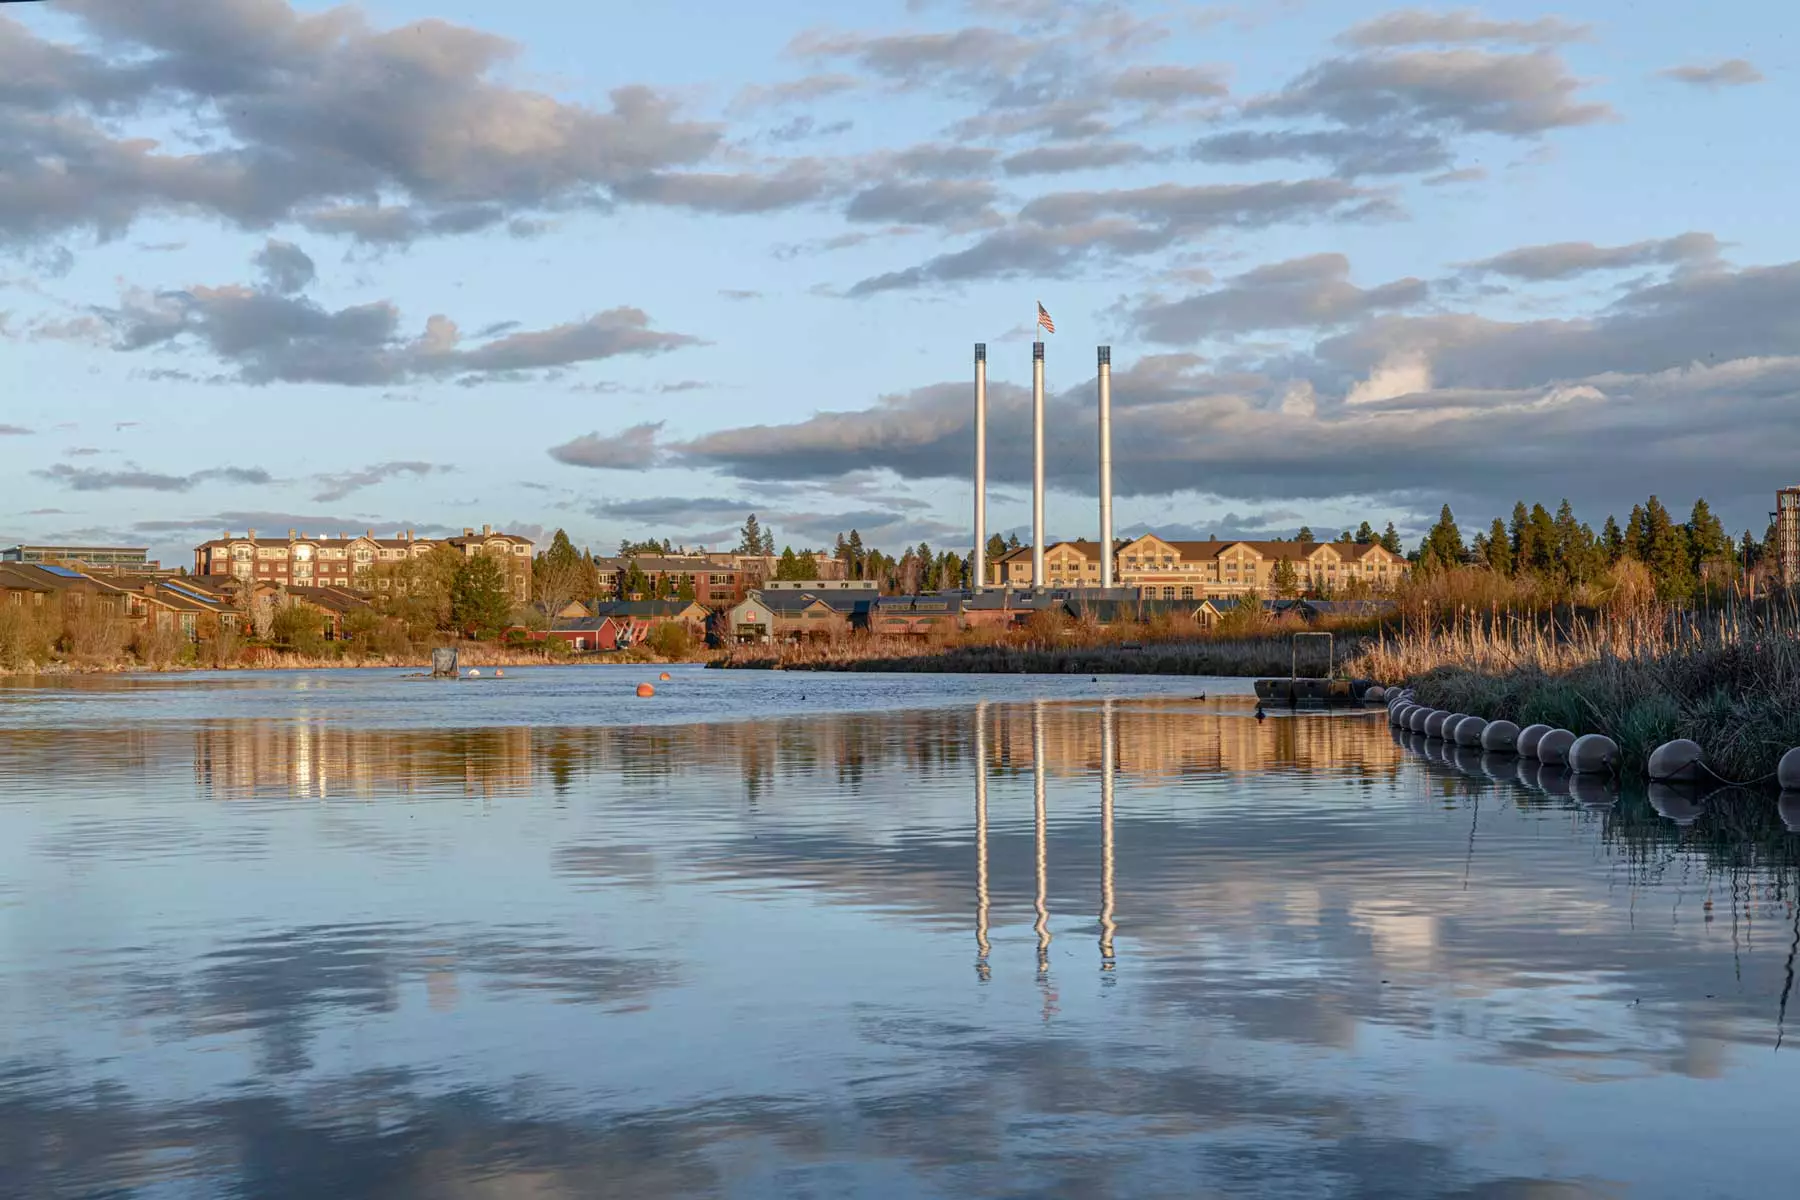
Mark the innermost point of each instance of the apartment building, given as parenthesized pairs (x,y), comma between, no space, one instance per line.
(1787,536)
(115,558)
(1164,569)
(346,561)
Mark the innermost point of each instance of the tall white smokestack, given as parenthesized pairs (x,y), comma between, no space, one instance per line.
(979,561)
(1106,534)
(1037,472)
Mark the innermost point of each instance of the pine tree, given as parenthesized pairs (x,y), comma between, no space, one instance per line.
(1612,541)
(1571,547)
(1637,536)
(1499,549)
(684,590)
(858,559)
(1346,538)
(479,603)
(768,546)
(1443,546)
(1520,532)
(1365,534)
(750,541)
(1707,540)
(1540,538)
(1012,541)
(1669,558)
(788,565)
(1390,540)
(1305,535)
(1285,580)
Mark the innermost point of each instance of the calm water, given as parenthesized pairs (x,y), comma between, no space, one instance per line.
(346,934)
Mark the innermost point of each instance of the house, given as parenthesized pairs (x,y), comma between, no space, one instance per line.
(333,605)
(913,616)
(1162,569)
(634,619)
(1313,610)
(583,635)
(715,579)
(23,590)
(784,615)
(1004,608)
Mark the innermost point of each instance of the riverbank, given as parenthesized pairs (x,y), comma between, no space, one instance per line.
(1268,655)
(1729,683)
(470,654)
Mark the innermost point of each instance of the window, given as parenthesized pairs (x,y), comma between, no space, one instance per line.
(1187,593)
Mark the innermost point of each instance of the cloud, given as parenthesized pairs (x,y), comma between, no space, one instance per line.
(15,431)
(1465,91)
(1698,374)
(1567,260)
(1412,26)
(269,337)
(1733,72)
(1058,232)
(923,202)
(336,487)
(805,90)
(1168,85)
(1310,292)
(303,115)
(739,294)
(1350,152)
(92,479)
(633,450)
(286,269)
(1076,156)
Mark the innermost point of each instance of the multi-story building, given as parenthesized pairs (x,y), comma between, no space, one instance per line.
(1160,569)
(1787,536)
(345,561)
(716,580)
(115,558)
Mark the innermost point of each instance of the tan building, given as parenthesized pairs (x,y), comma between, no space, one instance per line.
(1787,535)
(308,560)
(1161,569)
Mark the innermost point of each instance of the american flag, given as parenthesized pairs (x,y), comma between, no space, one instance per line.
(1044,319)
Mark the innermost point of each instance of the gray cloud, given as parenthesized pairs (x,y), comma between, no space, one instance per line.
(285,267)
(739,294)
(337,486)
(271,338)
(633,450)
(924,202)
(15,431)
(1168,85)
(806,90)
(1733,72)
(1058,232)
(93,479)
(1699,375)
(731,192)
(301,114)
(941,161)
(1412,26)
(1566,260)
(1351,152)
(1074,156)
(1463,90)
(1305,292)
(1462,175)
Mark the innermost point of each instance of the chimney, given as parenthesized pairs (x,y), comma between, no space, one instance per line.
(252,535)
(290,535)
(1106,528)
(487,531)
(409,535)
(979,562)
(1037,470)
(468,532)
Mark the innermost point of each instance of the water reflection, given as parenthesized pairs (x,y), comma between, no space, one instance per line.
(298,958)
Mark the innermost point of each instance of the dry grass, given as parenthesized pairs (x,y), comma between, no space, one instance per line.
(1729,679)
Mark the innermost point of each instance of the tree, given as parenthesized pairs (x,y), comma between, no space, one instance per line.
(1637,543)
(299,628)
(1443,546)
(1612,541)
(1285,580)
(750,541)
(1305,535)
(858,558)
(1708,543)
(1390,540)
(1667,553)
(788,565)
(768,545)
(479,602)
(1012,541)
(1498,549)
(1346,538)
(996,547)
(1365,534)
(1539,553)
(684,590)
(561,576)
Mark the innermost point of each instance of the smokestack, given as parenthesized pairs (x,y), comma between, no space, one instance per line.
(1106,534)
(979,562)
(1037,472)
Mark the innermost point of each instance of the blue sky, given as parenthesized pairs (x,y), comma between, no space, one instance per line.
(643,269)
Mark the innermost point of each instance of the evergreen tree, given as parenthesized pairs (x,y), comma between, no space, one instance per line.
(1612,541)
(479,602)
(1390,540)
(1305,535)
(1285,580)
(634,582)
(768,546)
(1637,538)
(788,565)
(1520,532)
(1499,549)
(1365,534)
(750,541)
(996,547)
(842,553)
(1443,546)
(684,590)
(1012,541)
(1540,539)
(1748,551)
(1668,556)
(858,558)
(1707,540)
(1346,538)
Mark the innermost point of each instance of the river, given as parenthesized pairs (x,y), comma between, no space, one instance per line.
(347,934)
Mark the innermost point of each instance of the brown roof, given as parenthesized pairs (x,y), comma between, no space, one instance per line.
(18,581)
(1293,551)
(1082,547)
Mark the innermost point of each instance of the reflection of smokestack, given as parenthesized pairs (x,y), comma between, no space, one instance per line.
(1106,538)
(1108,735)
(1037,472)
(1041,826)
(981,843)
(979,562)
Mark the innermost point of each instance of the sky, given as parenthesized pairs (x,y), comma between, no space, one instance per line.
(635,270)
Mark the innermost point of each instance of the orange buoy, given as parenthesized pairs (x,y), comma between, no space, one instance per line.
(645,689)
(664,675)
